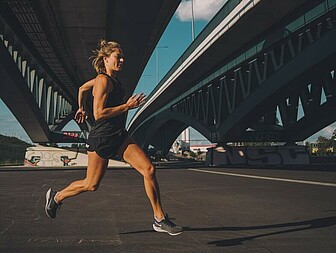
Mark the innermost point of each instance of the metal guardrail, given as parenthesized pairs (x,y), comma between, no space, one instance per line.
(219,17)
(301,21)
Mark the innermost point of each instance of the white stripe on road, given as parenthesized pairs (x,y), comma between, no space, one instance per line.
(266,178)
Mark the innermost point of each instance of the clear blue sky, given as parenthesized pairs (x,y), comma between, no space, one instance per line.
(176,38)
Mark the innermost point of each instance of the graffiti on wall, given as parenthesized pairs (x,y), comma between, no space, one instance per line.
(53,157)
(32,161)
(277,155)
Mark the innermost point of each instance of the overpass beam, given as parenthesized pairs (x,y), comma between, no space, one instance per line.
(17,96)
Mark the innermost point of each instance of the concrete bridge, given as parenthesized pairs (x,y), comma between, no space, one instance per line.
(45,48)
(260,71)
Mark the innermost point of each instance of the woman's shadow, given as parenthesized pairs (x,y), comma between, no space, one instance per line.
(288,228)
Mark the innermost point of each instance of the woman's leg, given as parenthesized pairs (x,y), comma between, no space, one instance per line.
(94,174)
(137,158)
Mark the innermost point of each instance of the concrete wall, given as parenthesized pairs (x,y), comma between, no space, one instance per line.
(49,156)
(276,155)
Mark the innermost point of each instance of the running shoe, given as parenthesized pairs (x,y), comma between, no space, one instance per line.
(51,206)
(167,226)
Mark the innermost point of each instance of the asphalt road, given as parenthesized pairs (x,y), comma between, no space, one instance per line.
(221,210)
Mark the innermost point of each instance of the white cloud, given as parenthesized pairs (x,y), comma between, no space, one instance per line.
(326,132)
(203,9)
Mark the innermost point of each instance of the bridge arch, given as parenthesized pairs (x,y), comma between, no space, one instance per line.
(162,130)
(296,69)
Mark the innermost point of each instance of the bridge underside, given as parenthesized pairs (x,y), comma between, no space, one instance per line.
(284,93)
(19,99)
(45,48)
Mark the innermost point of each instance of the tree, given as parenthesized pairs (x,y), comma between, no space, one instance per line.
(333,141)
(322,144)
(333,137)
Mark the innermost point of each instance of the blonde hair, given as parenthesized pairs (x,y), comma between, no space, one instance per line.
(105,49)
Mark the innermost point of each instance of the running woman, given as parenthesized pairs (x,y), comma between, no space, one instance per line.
(109,138)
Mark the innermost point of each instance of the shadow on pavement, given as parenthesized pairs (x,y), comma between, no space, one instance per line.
(308,224)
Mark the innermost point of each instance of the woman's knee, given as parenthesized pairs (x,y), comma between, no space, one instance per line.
(149,171)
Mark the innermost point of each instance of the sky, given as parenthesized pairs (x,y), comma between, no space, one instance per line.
(175,40)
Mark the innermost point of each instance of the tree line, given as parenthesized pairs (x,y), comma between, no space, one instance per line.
(12,150)
(323,146)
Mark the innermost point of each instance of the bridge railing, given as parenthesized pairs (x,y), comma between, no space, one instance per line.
(219,17)
(300,22)
(292,27)
(214,102)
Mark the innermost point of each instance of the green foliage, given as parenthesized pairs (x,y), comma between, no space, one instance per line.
(192,154)
(12,150)
(333,138)
(323,146)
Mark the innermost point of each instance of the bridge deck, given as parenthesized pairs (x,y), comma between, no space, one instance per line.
(220,212)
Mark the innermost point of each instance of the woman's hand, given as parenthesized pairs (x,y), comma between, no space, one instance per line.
(81,115)
(136,100)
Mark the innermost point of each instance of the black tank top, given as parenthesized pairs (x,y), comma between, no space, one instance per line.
(110,126)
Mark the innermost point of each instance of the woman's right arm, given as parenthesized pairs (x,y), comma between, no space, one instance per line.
(83,91)
(81,114)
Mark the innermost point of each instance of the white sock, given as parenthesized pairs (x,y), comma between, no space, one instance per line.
(157,220)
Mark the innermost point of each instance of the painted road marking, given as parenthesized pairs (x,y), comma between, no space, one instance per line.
(266,178)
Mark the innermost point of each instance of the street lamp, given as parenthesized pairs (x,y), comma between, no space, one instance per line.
(157,62)
(192,21)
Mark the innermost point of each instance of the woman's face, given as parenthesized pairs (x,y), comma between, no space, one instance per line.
(115,61)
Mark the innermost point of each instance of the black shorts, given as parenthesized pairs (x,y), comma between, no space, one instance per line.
(107,146)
